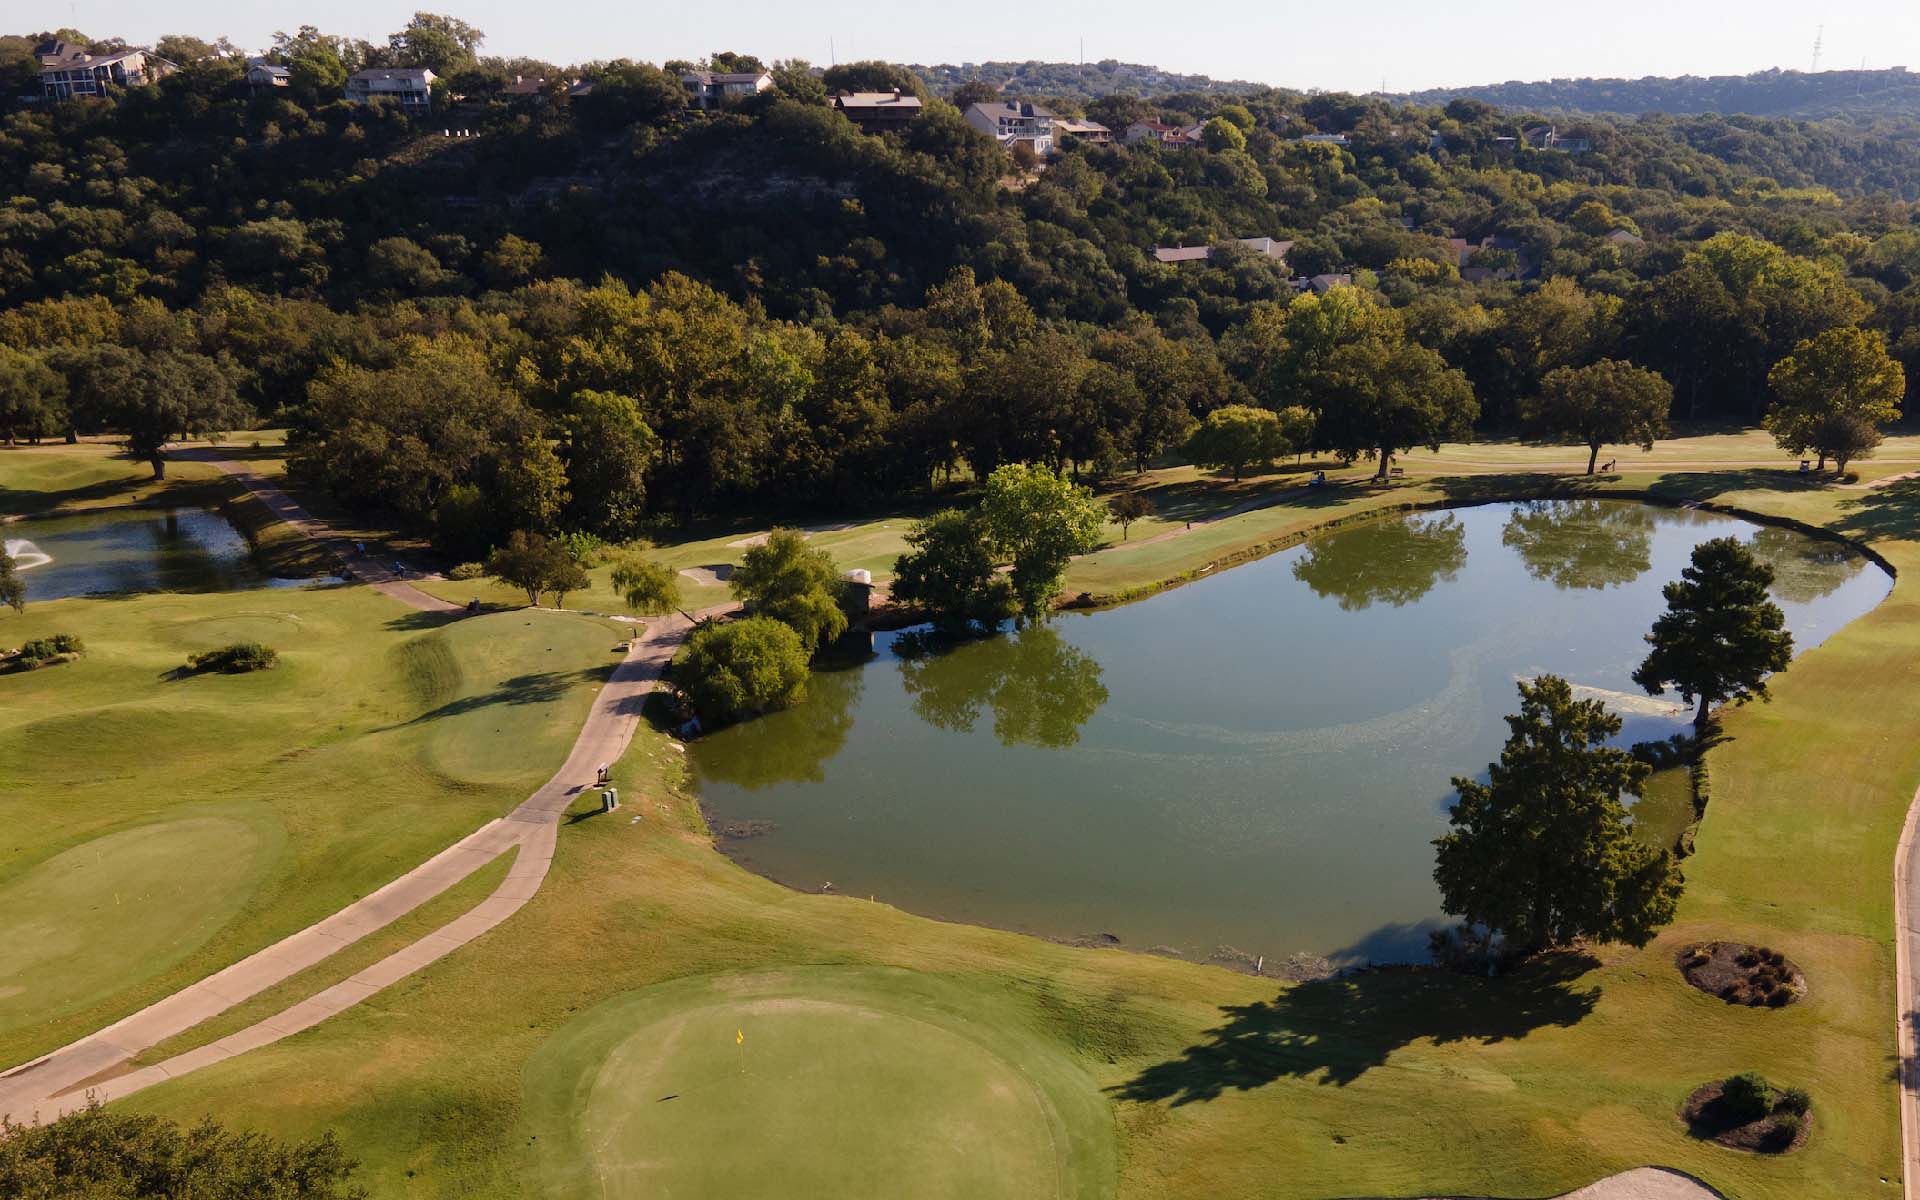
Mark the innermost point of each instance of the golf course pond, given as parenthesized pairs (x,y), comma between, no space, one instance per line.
(120,550)
(1257,761)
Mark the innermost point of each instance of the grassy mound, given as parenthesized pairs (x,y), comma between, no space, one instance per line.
(847,1083)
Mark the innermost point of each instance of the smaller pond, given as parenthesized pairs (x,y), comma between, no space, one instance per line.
(132,550)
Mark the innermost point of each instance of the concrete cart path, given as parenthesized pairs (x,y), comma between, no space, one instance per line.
(1906,948)
(57,1082)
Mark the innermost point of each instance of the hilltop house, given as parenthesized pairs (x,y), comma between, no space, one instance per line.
(712,89)
(268,75)
(67,70)
(1546,137)
(874,111)
(1266,246)
(1172,137)
(1010,121)
(411,87)
(1087,131)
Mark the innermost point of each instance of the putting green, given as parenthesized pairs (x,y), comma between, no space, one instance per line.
(109,912)
(848,1083)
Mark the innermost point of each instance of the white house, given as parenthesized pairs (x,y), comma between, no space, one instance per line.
(711,89)
(411,86)
(1010,121)
(67,70)
(1264,246)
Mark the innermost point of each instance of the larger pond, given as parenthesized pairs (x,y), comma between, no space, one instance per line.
(1259,760)
(132,550)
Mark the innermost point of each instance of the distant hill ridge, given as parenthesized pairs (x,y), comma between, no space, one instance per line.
(1891,92)
(1079,81)
(1886,92)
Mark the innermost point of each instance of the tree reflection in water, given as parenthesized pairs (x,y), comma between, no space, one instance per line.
(795,745)
(1392,562)
(1040,688)
(1582,543)
(1804,568)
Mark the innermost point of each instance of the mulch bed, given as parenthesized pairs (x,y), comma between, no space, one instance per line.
(1755,976)
(1707,1119)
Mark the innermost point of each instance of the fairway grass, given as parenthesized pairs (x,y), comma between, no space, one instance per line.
(160,826)
(832,1081)
(1391,1083)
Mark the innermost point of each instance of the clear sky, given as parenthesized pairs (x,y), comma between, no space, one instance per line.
(1410,44)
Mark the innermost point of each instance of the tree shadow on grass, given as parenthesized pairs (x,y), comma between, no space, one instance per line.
(1890,511)
(420,620)
(1692,487)
(1336,1030)
(538,688)
(1516,485)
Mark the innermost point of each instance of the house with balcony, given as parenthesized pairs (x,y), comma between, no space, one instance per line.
(709,90)
(68,71)
(410,87)
(1091,132)
(268,75)
(877,111)
(1010,121)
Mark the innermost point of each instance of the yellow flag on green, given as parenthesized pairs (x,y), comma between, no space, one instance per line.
(739,1037)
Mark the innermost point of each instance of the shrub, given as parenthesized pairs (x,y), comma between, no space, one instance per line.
(468,570)
(236,659)
(41,651)
(1747,1096)
(1793,1100)
(1784,1131)
(739,668)
(95,1152)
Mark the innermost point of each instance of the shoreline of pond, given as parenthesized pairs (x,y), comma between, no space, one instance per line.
(730,838)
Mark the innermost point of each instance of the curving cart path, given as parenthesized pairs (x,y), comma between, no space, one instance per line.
(59,1082)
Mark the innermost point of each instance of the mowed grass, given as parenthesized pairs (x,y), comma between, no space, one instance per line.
(813,1082)
(77,919)
(159,826)
(90,474)
(1391,1083)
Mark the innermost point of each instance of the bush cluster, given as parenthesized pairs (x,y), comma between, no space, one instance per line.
(45,651)
(236,659)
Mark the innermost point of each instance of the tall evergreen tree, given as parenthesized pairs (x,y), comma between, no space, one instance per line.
(1721,635)
(1543,852)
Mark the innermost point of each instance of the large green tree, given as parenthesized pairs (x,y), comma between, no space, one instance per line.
(1235,437)
(1039,519)
(174,394)
(1389,396)
(608,450)
(1721,635)
(1594,406)
(1543,852)
(1833,394)
(734,669)
(32,396)
(948,572)
(791,582)
(646,585)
